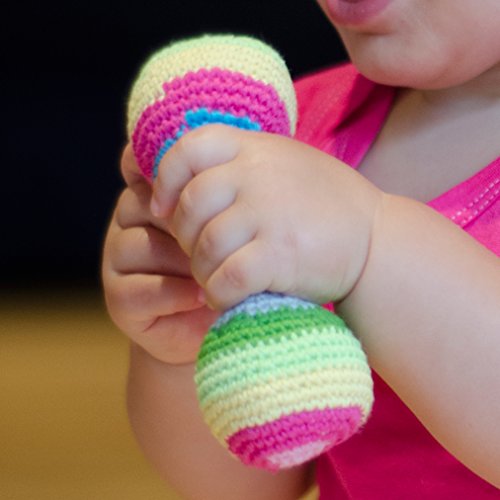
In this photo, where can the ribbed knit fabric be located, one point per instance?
(280, 380)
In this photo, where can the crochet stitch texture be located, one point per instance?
(280, 380)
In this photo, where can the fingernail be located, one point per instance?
(202, 298)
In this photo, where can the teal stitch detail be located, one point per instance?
(198, 118)
(202, 116)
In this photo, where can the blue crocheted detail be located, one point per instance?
(263, 303)
(198, 118)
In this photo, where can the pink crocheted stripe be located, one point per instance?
(215, 90)
(283, 442)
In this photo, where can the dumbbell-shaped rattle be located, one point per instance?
(280, 380)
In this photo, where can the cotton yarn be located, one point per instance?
(280, 380)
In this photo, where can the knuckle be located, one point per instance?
(187, 200)
(194, 138)
(184, 144)
(208, 245)
(229, 285)
(236, 274)
(193, 198)
(205, 132)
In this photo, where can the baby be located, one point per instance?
(387, 203)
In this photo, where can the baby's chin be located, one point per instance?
(410, 74)
(420, 70)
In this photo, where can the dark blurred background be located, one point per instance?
(65, 73)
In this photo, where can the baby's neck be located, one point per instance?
(482, 90)
(433, 140)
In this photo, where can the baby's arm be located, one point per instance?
(270, 213)
(166, 420)
(152, 297)
(427, 308)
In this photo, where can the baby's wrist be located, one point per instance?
(376, 206)
(383, 276)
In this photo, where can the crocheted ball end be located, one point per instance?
(296, 438)
(233, 80)
(281, 380)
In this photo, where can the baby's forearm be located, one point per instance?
(168, 424)
(427, 310)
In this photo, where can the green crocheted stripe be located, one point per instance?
(283, 356)
(244, 330)
(259, 366)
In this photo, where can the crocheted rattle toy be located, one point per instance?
(280, 380)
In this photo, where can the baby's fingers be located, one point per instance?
(148, 308)
(130, 170)
(133, 207)
(177, 339)
(248, 271)
(146, 250)
(136, 301)
(200, 149)
(222, 236)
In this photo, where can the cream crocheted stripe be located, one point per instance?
(240, 54)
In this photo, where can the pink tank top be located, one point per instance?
(394, 457)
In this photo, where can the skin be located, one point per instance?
(211, 223)
(425, 44)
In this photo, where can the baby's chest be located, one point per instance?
(419, 174)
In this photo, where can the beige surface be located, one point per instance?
(63, 426)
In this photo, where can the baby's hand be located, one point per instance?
(258, 212)
(149, 289)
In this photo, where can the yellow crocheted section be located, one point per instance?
(340, 386)
(242, 54)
